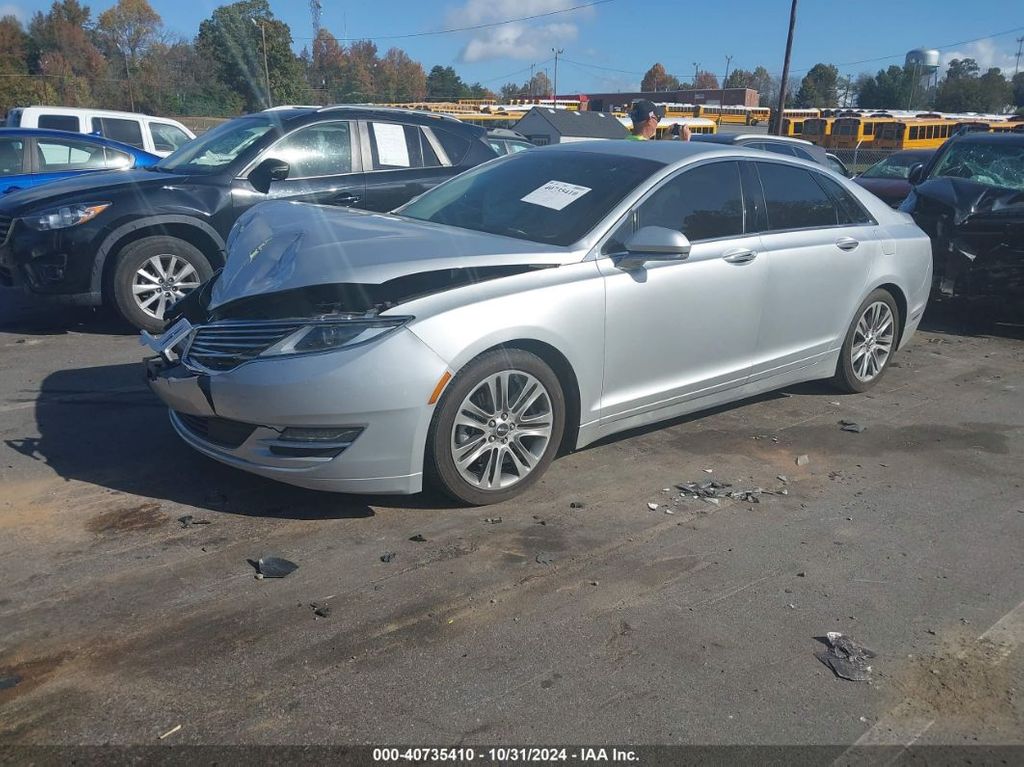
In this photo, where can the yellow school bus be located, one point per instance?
(817, 130)
(491, 120)
(696, 125)
(914, 133)
(851, 132)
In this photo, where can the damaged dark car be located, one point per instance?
(970, 200)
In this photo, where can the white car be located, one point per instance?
(157, 135)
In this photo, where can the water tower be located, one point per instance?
(925, 63)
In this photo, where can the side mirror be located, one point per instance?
(916, 174)
(267, 172)
(654, 243)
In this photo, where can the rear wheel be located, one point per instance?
(497, 427)
(870, 343)
(152, 274)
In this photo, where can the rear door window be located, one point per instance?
(12, 156)
(794, 200)
(394, 146)
(125, 131)
(851, 212)
(703, 203)
(60, 122)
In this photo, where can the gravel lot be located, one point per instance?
(607, 623)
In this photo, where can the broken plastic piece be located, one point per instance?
(387, 556)
(802, 460)
(544, 558)
(853, 426)
(847, 658)
(9, 680)
(275, 567)
(418, 538)
(493, 520)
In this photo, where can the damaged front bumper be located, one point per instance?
(350, 421)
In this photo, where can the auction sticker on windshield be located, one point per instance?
(555, 194)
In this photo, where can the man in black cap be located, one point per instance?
(645, 116)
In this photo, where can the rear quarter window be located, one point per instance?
(59, 122)
(455, 145)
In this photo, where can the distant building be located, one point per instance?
(544, 125)
(740, 97)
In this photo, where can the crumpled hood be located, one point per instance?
(283, 246)
(965, 199)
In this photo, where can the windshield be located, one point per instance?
(217, 148)
(893, 167)
(550, 197)
(992, 163)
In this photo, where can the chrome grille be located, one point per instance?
(5, 228)
(226, 345)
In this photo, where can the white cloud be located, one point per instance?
(11, 9)
(987, 53)
(520, 40)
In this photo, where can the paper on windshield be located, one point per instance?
(391, 147)
(556, 194)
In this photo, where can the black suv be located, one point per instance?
(143, 239)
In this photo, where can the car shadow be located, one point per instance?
(21, 314)
(104, 427)
(958, 319)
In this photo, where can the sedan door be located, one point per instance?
(820, 245)
(324, 167)
(679, 331)
(404, 162)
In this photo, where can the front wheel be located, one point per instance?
(870, 343)
(152, 274)
(497, 427)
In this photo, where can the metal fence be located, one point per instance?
(860, 159)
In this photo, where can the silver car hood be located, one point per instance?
(280, 246)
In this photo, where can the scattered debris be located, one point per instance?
(544, 558)
(9, 680)
(418, 538)
(320, 611)
(853, 426)
(707, 471)
(188, 521)
(273, 567)
(595, 583)
(803, 460)
(846, 657)
(493, 520)
(801, 574)
(170, 732)
(782, 478)
(577, 505)
(539, 521)
(388, 556)
(668, 510)
(652, 506)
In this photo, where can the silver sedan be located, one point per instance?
(534, 304)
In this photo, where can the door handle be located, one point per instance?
(847, 243)
(345, 198)
(742, 256)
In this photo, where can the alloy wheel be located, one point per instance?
(872, 341)
(161, 281)
(502, 430)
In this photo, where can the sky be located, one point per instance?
(610, 43)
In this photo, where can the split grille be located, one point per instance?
(219, 431)
(226, 345)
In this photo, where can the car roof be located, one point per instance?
(980, 137)
(667, 152)
(739, 138)
(63, 134)
(100, 112)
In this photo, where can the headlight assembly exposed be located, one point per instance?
(65, 216)
(328, 334)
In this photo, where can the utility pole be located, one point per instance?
(696, 70)
(554, 96)
(128, 74)
(1020, 47)
(529, 87)
(266, 69)
(728, 61)
(785, 70)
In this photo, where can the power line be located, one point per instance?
(471, 28)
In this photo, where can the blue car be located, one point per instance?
(33, 156)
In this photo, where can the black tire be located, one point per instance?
(441, 468)
(133, 257)
(846, 377)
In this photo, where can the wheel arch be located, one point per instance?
(900, 298)
(197, 233)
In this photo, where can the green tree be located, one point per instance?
(705, 80)
(131, 27)
(17, 87)
(962, 90)
(740, 78)
(1018, 90)
(819, 87)
(444, 84)
(401, 78)
(233, 38)
(61, 49)
(658, 79)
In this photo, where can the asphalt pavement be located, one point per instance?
(577, 613)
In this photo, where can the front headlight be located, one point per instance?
(327, 334)
(65, 216)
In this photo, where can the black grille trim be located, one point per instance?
(218, 431)
(225, 345)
